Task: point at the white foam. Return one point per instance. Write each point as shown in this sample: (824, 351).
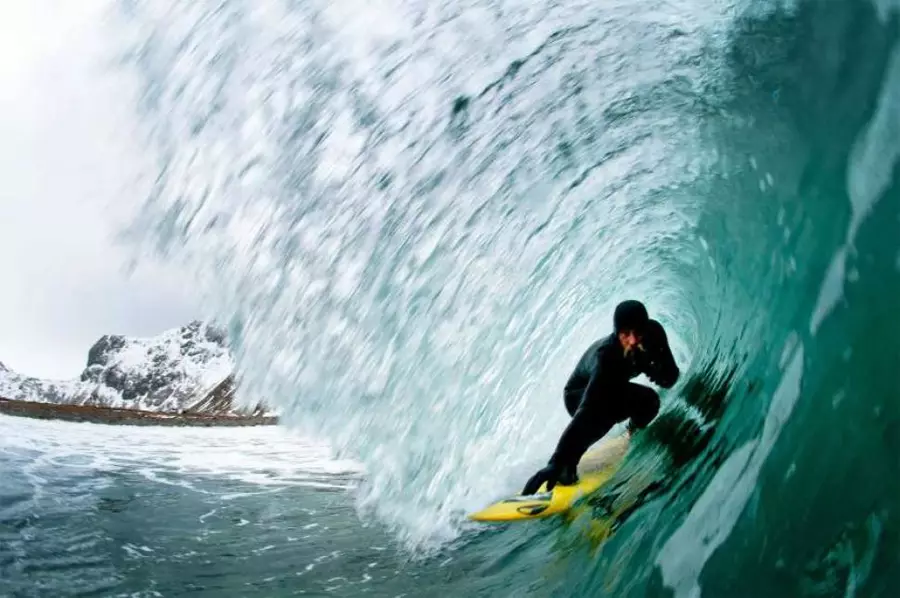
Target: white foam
(876, 152)
(869, 175)
(269, 457)
(831, 291)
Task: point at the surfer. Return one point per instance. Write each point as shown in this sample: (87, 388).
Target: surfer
(600, 394)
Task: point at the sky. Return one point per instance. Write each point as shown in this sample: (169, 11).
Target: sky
(69, 170)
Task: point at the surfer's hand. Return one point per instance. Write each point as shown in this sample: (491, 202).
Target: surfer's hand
(552, 474)
(549, 474)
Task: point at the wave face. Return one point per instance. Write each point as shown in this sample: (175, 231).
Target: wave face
(414, 217)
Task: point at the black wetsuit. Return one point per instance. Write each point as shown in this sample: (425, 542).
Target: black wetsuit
(600, 394)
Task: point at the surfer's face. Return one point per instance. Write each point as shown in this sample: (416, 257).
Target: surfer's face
(629, 340)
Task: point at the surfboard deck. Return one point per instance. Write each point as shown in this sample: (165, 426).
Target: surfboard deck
(596, 467)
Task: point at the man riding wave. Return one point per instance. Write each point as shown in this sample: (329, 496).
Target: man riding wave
(600, 394)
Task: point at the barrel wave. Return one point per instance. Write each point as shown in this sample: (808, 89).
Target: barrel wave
(415, 216)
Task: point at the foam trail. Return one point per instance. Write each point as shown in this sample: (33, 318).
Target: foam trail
(266, 456)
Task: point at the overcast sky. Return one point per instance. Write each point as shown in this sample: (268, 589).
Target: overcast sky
(67, 168)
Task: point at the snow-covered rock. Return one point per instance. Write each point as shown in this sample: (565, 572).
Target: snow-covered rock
(187, 369)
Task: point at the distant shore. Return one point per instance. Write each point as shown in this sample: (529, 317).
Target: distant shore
(132, 417)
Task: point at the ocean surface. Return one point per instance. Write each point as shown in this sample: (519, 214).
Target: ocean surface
(413, 217)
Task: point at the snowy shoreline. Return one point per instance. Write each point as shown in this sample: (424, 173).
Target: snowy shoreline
(119, 416)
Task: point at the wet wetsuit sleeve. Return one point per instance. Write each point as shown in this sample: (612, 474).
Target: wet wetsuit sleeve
(585, 426)
(661, 367)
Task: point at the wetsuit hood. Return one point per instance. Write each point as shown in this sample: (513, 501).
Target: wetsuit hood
(630, 315)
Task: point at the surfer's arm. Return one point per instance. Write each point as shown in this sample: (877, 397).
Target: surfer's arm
(661, 367)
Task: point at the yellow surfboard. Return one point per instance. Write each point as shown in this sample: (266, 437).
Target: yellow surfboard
(596, 467)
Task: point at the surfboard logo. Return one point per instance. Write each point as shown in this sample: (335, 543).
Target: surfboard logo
(532, 509)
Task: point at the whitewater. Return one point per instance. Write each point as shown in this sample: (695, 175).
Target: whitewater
(413, 217)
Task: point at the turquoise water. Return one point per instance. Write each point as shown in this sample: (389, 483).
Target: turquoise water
(414, 217)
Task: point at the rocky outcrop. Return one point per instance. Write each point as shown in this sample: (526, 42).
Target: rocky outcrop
(187, 370)
(221, 401)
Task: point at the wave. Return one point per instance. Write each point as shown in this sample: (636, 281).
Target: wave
(415, 217)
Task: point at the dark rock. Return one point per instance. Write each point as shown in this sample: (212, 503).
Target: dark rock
(220, 400)
(215, 334)
(92, 373)
(114, 378)
(99, 354)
